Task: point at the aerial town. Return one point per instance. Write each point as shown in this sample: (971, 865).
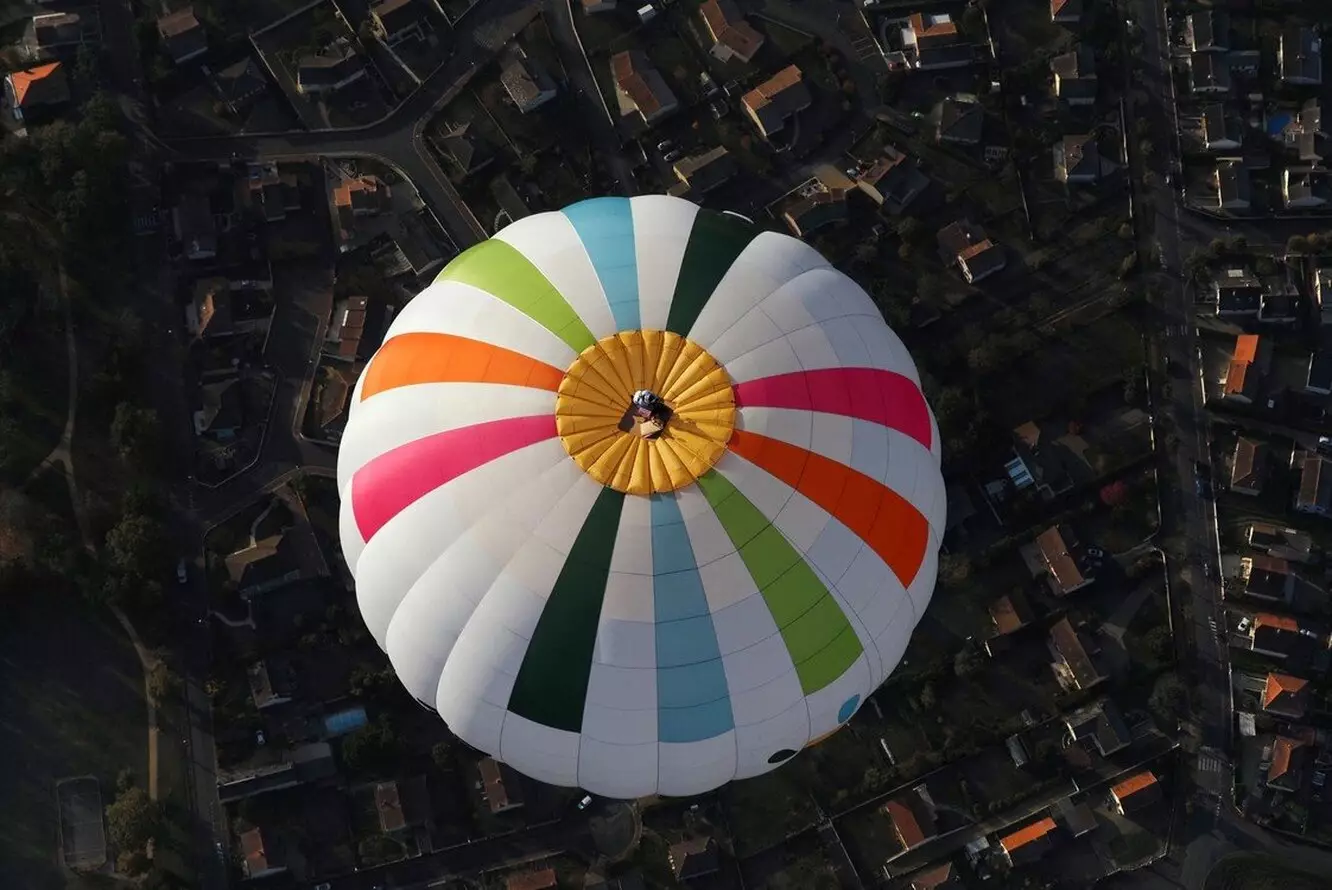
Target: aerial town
(712, 444)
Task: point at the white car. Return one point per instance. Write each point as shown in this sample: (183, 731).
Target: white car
(1243, 626)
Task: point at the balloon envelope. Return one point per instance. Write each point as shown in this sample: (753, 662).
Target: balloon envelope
(627, 607)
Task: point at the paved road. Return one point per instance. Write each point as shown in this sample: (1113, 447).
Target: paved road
(597, 116)
(398, 138)
(1188, 519)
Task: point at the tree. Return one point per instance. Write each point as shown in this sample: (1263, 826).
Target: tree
(162, 681)
(1114, 494)
(1158, 642)
(1169, 700)
(379, 848)
(135, 433)
(927, 697)
(1297, 244)
(132, 820)
(442, 754)
(370, 748)
(134, 547)
(133, 863)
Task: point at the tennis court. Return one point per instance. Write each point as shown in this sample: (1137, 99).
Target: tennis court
(82, 837)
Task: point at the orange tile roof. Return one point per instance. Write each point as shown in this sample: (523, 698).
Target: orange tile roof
(933, 877)
(1279, 683)
(23, 80)
(1280, 622)
(634, 83)
(1133, 785)
(1024, 836)
(1005, 616)
(908, 829)
(935, 29)
(1054, 550)
(765, 92)
(532, 880)
(1246, 348)
(1282, 750)
(729, 27)
(1235, 377)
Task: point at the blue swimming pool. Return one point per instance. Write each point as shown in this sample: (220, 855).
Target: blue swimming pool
(1277, 123)
(344, 722)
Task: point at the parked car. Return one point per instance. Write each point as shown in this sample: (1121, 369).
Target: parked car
(182, 572)
(671, 156)
(1243, 626)
(259, 738)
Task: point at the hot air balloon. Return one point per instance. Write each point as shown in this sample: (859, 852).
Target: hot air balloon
(640, 497)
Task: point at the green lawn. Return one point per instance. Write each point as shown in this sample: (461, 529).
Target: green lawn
(71, 692)
(767, 808)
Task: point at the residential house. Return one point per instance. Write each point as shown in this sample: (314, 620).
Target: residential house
(1305, 136)
(37, 90)
(181, 35)
(775, 101)
(1238, 292)
(1278, 636)
(1207, 31)
(732, 37)
(60, 30)
(346, 328)
(330, 70)
(1220, 131)
(354, 198)
(1244, 375)
(1210, 74)
(1234, 193)
(1279, 301)
(1315, 492)
(1100, 726)
(1074, 665)
(1135, 792)
(416, 248)
(1300, 55)
(1077, 160)
(981, 260)
(1319, 378)
(271, 682)
(694, 858)
(1266, 577)
(194, 226)
(1248, 468)
(1322, 291)
(1077, 818)
(308, 763)
(1010, 613)
(399, 20)
(966, 244)
(1060, 553)
(508, 199)
(267, 564)
(239, 85)
(932, 42)
(501, 788)
(526, 81)
(208, 314)
(542, 879)
(1286, 696)
(1075, 76)
(1303, 188)
(402, 805)
(820, 202)
(892, 181)
(911, 821)
(701, 173)
(639, 87)
(1066, 12)
(1283, 543)
(630, 881)
(936, 877)
(270, 192)
(466, 149)
(1244, 62)
(1038, 459)
(257, 858)
(595, 6)
(1290, 759)
(1029, 843)
(961, 121)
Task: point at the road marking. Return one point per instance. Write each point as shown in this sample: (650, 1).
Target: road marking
(1209, 763)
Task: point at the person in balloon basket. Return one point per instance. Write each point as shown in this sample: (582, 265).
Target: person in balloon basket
(648, 408)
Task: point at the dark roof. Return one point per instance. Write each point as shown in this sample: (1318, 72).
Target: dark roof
(636, 77)
(1210, 70)
(957, 236)
(961, 121)
(1249, 464)
(1301, 53)
(778, 97)
(334, 64)
(1071, 648)
(398, 15)
(708, 170)
(1315, 483)
(1077, 156)
(239, 82)
(1207, 29)
(816, 210)
(1320, 370)
(1102, 725)
(1077, 73)
(466, 148)
(182, 34)
(57, 28)
(194, 216)
(1232, 181)
(1217, 125)
(1011, 613)
(695, 858)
